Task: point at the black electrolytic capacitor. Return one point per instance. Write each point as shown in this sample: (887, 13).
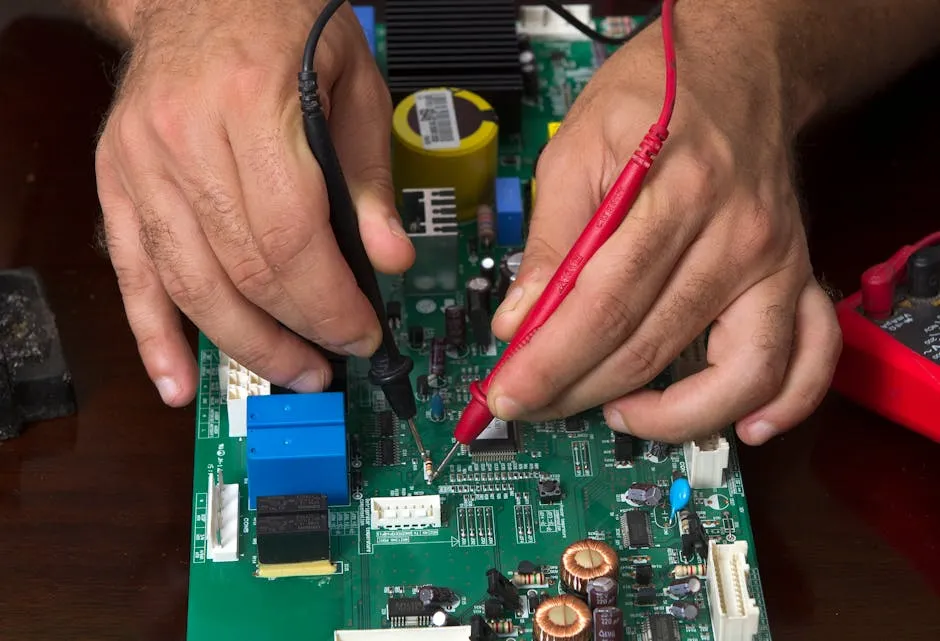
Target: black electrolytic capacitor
(508, 270)
(479, 308)
(455, 326)
(416, 336)
(608, 624)
(488, 269)
(601, 592)
(438, 357)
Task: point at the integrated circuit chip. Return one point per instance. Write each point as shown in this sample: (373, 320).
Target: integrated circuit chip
(636, 529)
(407, 612)
(623, 449)
(385, 424)
(661, 627)
(388, 453)
(498, 442)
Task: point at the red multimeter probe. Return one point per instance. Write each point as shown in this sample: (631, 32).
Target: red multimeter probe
(891, 333)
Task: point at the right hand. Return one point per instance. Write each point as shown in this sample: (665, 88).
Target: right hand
(213, 203)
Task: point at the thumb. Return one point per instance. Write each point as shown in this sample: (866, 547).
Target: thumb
(564, 201)
(360, 121)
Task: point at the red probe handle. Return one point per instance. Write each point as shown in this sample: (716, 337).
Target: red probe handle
(879, 282)
(608, 217)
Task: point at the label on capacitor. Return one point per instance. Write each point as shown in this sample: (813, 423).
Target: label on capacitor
(437, 119)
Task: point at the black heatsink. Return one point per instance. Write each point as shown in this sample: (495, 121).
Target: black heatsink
(456, 43)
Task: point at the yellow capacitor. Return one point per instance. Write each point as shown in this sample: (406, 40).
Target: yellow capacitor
(445, 137)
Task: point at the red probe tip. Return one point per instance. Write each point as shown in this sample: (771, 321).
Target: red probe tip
(476, 416)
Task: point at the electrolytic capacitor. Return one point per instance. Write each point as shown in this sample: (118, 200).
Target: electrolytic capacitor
(508, 270)
(438, 360)
(529, 68)
(455, 326)
(683, 610)
(416, 337)
(601, 592)
(486, 226)
(488, 269)
(430, 595)
(645, 493)
(479, 302)
(441, 619)
(684, 586)
(608, 624)
(437, 408)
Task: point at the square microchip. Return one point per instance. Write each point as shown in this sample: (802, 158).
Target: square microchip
(636, 529)
(661, 627)
(499, 441)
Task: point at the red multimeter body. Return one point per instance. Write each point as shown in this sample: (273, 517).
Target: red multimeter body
(891, 333)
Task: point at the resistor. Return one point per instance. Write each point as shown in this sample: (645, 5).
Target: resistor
(428, 470)
(437, 408)
(486, 226)
(438, 361)
(535, 578)
(501, 627)
(455, 326)
(691, 569)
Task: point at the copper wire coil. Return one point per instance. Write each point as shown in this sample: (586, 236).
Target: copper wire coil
(562, 618)
(586, 560)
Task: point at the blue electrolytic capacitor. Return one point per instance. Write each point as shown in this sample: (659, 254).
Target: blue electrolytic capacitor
(679, 495)
(437, 408)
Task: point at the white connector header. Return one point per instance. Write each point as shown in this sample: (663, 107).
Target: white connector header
(706, 461)
(452, 633)
(406, 511)
(735, 615)
(222, 528)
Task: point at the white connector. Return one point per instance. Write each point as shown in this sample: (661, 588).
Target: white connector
(447, 633)
(222, 528)
(239, 383)
(706, 461)
(538, 21)
(735, 615)
(406, 511)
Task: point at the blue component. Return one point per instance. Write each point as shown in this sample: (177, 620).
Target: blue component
(509, 212)
(437, 408)
(366, 17)
(679, 495)
(297, 445)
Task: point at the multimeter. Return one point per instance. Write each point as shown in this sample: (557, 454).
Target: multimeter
(890, 360)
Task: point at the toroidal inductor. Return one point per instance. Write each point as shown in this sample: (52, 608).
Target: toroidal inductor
(562, 618)
(446, 137)
(586, 560)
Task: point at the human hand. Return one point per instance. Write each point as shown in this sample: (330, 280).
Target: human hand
(716, 235)
(213, 203)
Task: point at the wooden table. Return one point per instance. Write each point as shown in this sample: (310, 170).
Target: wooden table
(95, 509)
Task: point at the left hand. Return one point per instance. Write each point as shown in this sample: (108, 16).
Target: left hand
(716, 236)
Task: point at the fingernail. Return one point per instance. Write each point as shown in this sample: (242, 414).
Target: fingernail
(511, 301)
(311, 381)
(762, 431)
(507, 409)
(395, 227)
(615, 421)
(363, 347)
(168, 389)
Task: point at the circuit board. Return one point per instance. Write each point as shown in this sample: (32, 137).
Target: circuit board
(513, 506)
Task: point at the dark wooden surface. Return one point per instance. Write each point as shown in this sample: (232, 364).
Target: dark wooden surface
(95, 509)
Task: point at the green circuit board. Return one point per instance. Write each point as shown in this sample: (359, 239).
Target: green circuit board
(492, 516)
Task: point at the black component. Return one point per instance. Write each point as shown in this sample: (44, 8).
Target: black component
(694, 539)
(393, 312)
(529, 67)
(574, 424)
(643, 574)
(356, 480)
(501, 588)
(659, 451)
(638, 531)
(416, 336)
(480, 630)
(532, 597)
(388, 452)
(454, 43)
(623, 448)
(438, 357)
(487, 271)
(479, 306)
(389, 369)
(661, 627)
(526, 567)
(385, 423)
(923, 273)
(293, 504)
(500, 440)
(432, 596)
(424, 388)
(549, 491)
(608, 623)
(508, 270)
(493, 609)
(35, 382)
(646, 595)
(293, 538)
(455, 326)
(407, 612)
(526, 206)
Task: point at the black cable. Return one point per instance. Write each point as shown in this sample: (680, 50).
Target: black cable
(595, 35)
(390, 369)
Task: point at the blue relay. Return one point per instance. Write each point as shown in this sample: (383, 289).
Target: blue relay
(366, 17)
(297, 445)
(509, 212)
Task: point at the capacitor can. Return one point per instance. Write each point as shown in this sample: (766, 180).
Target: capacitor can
(455, 326)
(488, 269)
(508, 271)
(683, 610)
(608, 624)
(438, 358)
(601, 592)
(684, 586)
(479, 295)
(416, 337)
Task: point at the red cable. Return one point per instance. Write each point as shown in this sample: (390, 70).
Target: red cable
(608, 217)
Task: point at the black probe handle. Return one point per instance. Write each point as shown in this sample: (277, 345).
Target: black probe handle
(389, 368)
